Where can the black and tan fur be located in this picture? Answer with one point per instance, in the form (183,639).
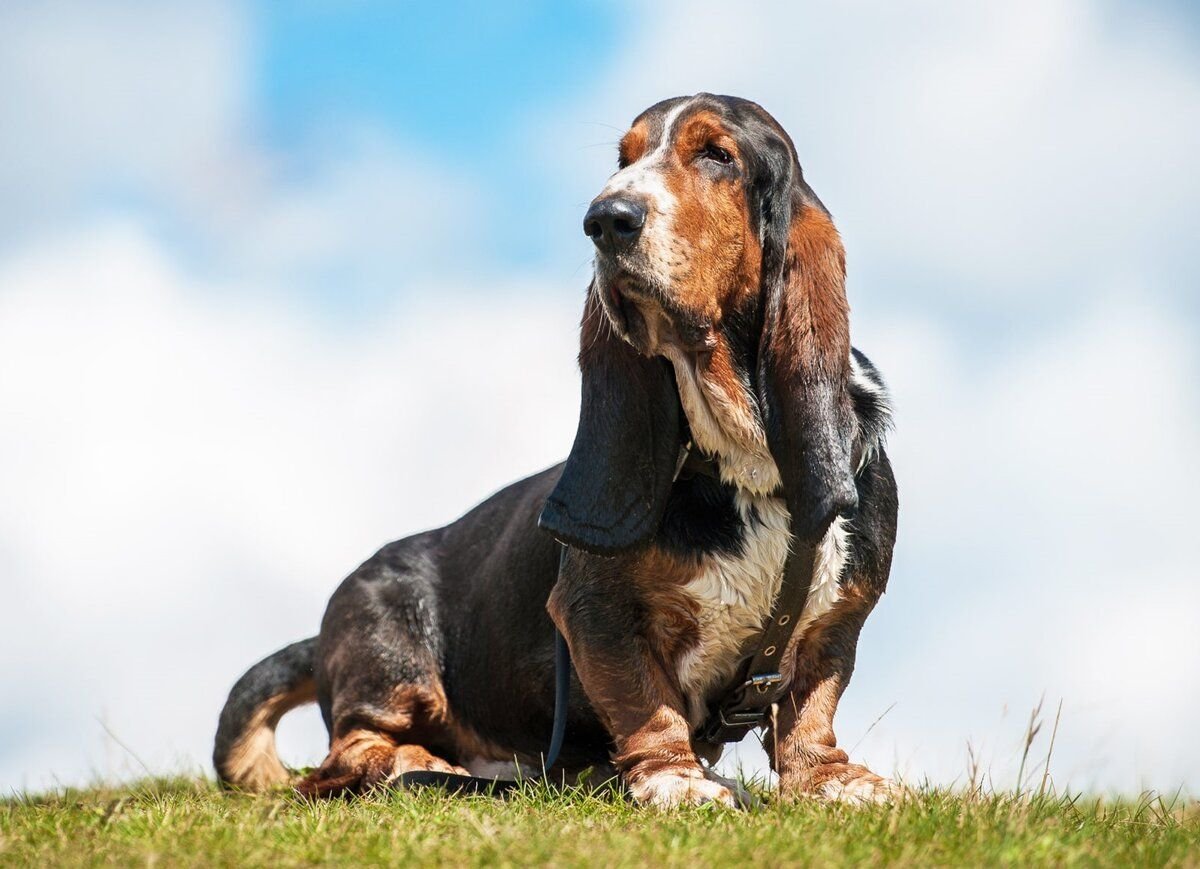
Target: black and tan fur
(717,323)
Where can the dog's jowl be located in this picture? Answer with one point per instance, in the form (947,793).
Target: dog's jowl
(726,427)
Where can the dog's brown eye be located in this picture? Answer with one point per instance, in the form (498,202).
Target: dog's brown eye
(717,155)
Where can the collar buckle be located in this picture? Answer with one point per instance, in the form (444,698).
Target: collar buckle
(760,682)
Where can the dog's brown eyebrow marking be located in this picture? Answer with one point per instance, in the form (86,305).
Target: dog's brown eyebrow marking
(633,144)
(700,129)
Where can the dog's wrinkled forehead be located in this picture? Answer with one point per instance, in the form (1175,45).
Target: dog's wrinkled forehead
(656,138)
(645,152)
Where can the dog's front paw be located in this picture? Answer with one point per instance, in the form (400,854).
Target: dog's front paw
(417,758)
(843,783)
(669,788)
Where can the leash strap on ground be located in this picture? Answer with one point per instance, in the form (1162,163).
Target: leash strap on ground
(469,784)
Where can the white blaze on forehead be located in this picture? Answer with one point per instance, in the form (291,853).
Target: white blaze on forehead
(644,177)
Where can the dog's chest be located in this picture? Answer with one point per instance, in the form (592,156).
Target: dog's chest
(733,595)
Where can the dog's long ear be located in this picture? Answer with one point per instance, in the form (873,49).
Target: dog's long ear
(804,351)
(614,488)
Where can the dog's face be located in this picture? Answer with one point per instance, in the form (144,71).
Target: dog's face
(711,252)
(677,242)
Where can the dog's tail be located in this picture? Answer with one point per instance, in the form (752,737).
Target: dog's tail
(244,754)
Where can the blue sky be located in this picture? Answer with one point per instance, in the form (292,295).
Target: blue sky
(457,82)
(394,62)
(280,282)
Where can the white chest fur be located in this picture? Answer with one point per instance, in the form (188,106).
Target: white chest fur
(734,594)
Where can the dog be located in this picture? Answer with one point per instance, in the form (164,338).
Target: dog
(725,422)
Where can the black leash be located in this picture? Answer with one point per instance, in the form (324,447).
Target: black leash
(562,693)
(470,784)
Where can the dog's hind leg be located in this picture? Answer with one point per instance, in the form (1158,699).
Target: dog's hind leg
(378,679)
(373,742)
(366,757)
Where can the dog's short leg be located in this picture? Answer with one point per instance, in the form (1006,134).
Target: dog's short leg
(378,680)
(801,744)
(365,758)
(660,768)
(637,702)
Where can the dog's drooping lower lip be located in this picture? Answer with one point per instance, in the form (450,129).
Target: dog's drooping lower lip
(616,310)
(623,295)
(628,303)
(623,286)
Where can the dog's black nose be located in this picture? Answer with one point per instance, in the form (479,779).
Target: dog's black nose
(614,224)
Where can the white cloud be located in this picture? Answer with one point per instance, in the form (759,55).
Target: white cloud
(149,109)
(188,474)
(372,218)
(137,98)
(1047,497)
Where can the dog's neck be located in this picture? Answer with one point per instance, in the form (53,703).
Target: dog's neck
(724,418)
(721,411)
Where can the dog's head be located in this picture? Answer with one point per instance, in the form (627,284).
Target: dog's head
(719,280)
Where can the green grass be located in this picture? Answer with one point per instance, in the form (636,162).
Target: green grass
(187,822)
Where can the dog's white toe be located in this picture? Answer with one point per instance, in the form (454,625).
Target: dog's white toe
(669,789)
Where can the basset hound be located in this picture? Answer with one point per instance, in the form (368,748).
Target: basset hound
(725,422)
